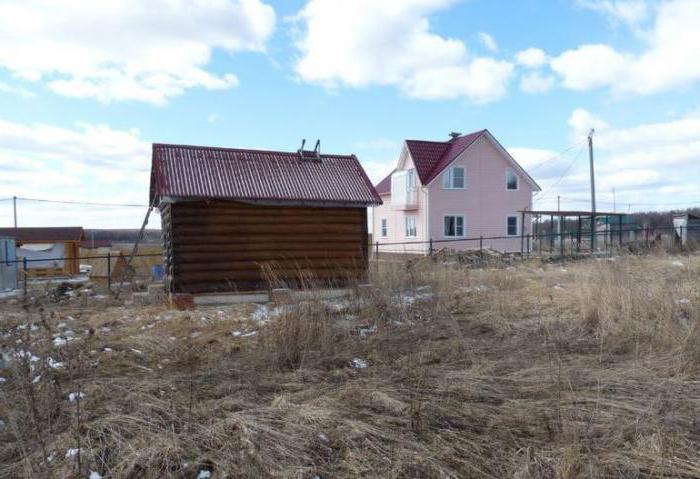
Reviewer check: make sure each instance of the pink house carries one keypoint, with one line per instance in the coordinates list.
(458, 190)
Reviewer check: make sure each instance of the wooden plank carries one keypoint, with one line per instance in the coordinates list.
(316, 263)
(234, 219)
(233, 276)
(221, 239)
(272, 229)
(194, 209)
(283, 246)
(267, 255)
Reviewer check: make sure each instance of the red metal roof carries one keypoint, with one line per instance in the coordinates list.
(431, 157)
(384, 186)
(185, 172)
(47, 235)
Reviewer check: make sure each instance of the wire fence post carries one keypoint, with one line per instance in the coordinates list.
(528, 245)
(24, 269)
(109, 271)
(680, 239)
(430, 247)
(646, 235)
(481, 244)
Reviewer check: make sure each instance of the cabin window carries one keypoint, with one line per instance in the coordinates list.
(410, 226)
(454, 226)
(384, 228)
(512, 226)
(511, 180)
(453, 178)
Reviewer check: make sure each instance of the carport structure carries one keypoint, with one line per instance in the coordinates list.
(541, 234)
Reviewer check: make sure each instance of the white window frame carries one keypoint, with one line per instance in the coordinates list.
(383, 228)
(517, 180)
(410, 179)
(464, 226)
(413, 228)
(448, 179)
(517, 226)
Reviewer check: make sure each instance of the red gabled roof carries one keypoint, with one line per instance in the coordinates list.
(431, 157)
(189, 172)
(384, 186)
(46, 235)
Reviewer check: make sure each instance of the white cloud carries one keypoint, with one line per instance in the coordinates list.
(213, 117)
(85, 162)
(531, 57)
(16, 90)
(128, 49)
(650, 165)
(631, 12)
(368, 42)
(590, 66)
(488, 41)
(669, 61)
(536, 82)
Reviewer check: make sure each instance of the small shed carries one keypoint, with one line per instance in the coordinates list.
(50, 251)
(244, 220)
(687, 228)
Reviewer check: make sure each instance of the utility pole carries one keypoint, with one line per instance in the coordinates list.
(593, 220)
(14, 209)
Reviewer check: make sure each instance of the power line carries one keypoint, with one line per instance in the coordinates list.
(82, 203)
(566, 171)
(558, 155)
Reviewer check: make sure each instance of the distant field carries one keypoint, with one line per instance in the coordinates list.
(535, 370)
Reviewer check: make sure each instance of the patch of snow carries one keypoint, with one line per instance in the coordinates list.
(59, 341)
(683, 301)
(137, 351)
(236, 334)
(323, 437)
(70, 318)
(53, 364)
(407, 299)
(73, 396)
(204, 474)
(338, 305)
(195, 334)
(94, 475)
(365, 331)
(71, 452)
(36, 379)
(677, 263)
(3, 380)
(479, 288)
(50, 457)
(247, 335)
(558, 286)
(263, 313)
(107, 350)
(62, 325)
(358, 363)
(26, 355)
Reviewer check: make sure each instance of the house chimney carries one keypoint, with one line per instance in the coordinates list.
(455, 134)
(317, 149)
(301, 148)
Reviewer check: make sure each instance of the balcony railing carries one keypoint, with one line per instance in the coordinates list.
(408, 201)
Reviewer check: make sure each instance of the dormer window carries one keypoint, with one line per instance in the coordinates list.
(511, 180)
(453, 178)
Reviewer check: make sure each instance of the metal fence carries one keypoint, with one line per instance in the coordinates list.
(558, 243)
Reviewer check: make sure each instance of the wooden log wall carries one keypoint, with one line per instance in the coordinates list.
(231, 246)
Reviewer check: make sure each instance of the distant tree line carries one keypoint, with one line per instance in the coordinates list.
(123, 235)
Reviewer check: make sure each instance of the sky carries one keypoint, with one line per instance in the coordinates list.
(86, 87)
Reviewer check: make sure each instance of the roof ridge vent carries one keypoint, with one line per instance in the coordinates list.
(455, 134)
(300, 151)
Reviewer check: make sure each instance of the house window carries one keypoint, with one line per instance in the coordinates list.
(512, 226)
(453, 178)
(411, 179)
(511, 180)
(384, 228)
(454, 226)
(410, 226)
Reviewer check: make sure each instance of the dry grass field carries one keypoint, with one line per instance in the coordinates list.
(536, 370)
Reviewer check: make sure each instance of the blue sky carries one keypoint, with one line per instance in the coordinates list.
(84, 90)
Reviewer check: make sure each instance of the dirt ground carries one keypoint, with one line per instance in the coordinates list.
(531, 370)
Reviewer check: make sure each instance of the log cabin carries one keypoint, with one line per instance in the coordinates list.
(248, 220)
